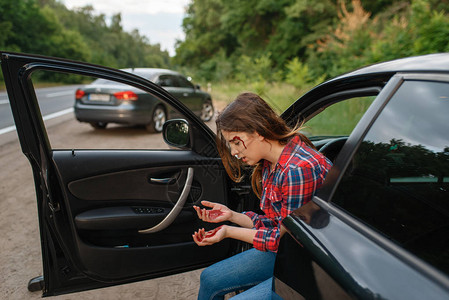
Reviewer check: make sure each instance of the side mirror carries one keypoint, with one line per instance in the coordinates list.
(176, 133)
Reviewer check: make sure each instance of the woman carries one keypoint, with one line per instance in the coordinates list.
(287, 172)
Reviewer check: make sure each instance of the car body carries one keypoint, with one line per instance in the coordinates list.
(377, 228)
(104, 101)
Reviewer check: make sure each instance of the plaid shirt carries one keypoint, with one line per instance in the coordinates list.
(300, 171)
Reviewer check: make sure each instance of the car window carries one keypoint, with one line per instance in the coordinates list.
(338, 119)
(146, 75)
(183, 82)
(398, 180)
(167, 80)
(104, 81)
(89, 113)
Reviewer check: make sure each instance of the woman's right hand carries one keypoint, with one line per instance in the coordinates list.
(218, 212)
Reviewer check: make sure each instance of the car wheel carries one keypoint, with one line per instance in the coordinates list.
(207, 112)
(99, 125)
(157, 120)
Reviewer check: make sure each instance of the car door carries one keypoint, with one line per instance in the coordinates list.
(189, 94)
(184, 91)
(378, 228)
(113, 215)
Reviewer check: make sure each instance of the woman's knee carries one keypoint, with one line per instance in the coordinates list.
(209, 277)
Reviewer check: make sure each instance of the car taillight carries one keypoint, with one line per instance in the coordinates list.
(79, 94)
(125, 95)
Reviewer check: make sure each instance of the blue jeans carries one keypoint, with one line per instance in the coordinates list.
(251, 270)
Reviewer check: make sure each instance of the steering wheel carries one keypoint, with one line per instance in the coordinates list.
(332, 148)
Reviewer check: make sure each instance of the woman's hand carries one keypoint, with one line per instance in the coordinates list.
(206, 238)
(218, 213)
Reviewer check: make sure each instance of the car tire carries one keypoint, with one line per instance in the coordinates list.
(207, 112)
(99, 125)
(158, 119)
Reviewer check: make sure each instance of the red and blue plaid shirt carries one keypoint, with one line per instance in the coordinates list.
(299, 172)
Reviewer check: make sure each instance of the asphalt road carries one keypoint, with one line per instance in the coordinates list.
(52, 100)
(20, 250)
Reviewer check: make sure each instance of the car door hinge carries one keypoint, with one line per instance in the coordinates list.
(54, 207)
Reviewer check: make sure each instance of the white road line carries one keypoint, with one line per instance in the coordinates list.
(51, 95)
(7, 129)
(58, 114)
(65, 93)
(47, 117)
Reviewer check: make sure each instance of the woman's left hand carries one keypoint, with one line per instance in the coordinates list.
(206, 238)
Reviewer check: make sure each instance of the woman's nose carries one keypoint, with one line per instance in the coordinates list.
(234, 151)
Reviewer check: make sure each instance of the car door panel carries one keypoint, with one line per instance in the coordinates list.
(109, 209)
(362, 268)
(94, 204)
(132, 184)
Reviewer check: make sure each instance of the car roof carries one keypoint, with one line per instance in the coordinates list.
(150, 72)
(438, 62)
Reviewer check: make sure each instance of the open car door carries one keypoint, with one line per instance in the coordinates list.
(111, 216)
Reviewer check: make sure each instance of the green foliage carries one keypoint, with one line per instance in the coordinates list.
(420, 31)
(257, 43)
(24, 25)
(254, 69)
(110, 45)
(306, 41)
(432, 29)
(299, 75)
(47, 27)
(204, 37)
(250, 28)
(278, 94)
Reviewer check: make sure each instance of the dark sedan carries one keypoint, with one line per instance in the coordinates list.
(105, 101)
(378, 228)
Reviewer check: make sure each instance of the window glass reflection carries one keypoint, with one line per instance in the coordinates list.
(398, 181)
(417, 115)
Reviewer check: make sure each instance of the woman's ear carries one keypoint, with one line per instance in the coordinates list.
(258, 136)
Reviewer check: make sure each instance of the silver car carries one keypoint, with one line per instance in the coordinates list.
(104, 101)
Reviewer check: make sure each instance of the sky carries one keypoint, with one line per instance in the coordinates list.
(159, 20)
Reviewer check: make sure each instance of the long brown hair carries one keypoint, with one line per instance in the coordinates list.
(250, 113)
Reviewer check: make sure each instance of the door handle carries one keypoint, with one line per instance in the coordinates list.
(170, 180)
(185, 94)
(176, 209)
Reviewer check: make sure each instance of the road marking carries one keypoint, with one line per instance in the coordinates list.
(58, 114)
(65, 93)
(7, 129)
(45, 118)
(51, 95)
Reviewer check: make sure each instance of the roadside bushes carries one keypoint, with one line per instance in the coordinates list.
(358, 38)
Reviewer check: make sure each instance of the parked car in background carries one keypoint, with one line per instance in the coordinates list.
(105, 101)
(378, 228)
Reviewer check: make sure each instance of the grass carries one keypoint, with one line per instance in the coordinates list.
(338, 119)
(279, 95)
